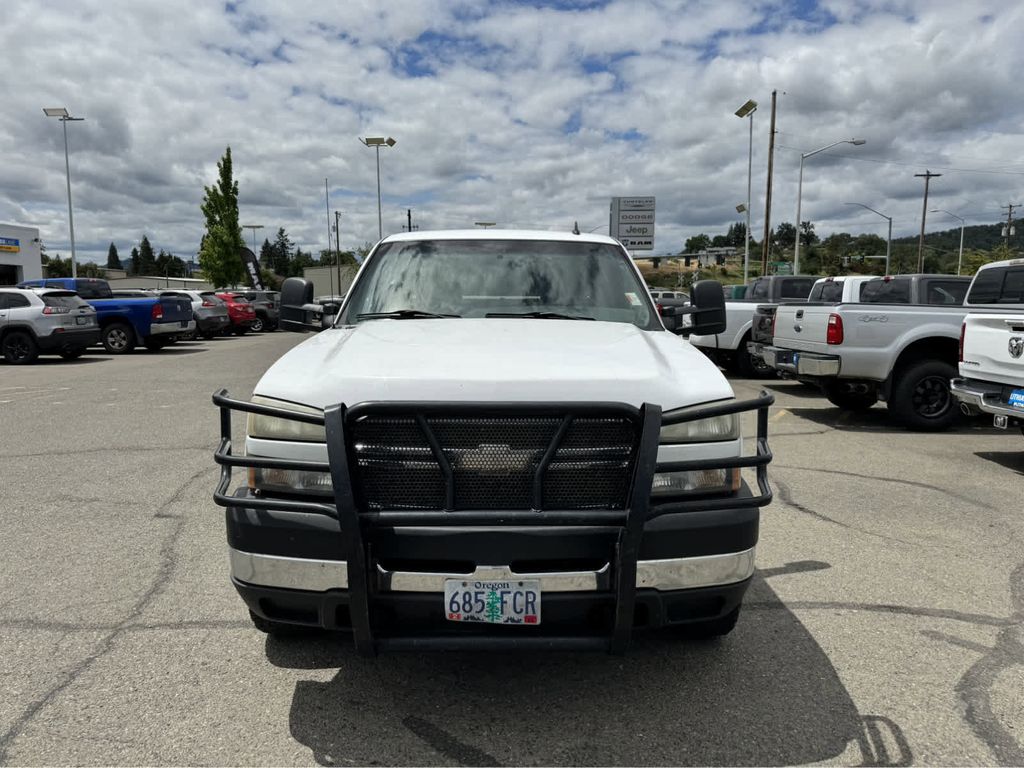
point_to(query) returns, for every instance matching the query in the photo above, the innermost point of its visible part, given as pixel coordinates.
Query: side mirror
(297, 307)
(707, 310)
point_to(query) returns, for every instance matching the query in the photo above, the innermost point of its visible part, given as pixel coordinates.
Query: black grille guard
(648, 420)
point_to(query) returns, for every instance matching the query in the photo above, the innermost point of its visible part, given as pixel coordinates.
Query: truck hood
(494, 360)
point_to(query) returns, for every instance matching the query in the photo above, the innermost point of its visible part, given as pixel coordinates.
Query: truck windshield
(481, 278)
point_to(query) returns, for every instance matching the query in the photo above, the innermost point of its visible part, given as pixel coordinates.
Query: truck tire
(842, 395)
(921, 399)
(747, 367)
(277, 628)
(19, 348)
(709, 630)
(258, 326)
(118, 338)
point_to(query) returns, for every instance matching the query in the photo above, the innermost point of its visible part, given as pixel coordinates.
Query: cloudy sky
(528, 114)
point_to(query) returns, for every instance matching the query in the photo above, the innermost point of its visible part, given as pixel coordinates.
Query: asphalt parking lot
(885, 625)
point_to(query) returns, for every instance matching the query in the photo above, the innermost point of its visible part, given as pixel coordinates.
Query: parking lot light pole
(748, 110)
(800, 190)
(61, 114)
(253, 227)
(377, 142)
(888, 242)
(960, 258)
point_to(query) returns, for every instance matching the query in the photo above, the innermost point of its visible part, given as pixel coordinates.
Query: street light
(960, 258)
(62, 114)
(748, 109)
(377, 142)
(888, 243)
(800, 189)
(253, 227)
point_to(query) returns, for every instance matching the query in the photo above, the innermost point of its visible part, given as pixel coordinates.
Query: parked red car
(241, 313)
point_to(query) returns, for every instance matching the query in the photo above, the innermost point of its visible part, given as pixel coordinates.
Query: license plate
(83, 321)
(1016, 398)
(492, 602)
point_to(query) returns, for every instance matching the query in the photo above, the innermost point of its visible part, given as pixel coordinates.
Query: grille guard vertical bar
(352, 532)
(628, 547)
(549, 455)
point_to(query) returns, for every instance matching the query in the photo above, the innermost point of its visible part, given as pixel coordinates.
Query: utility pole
(927, 176)
(337, 250)
(327, 202)
(1009, 221)
(768, 194)
(409, 227)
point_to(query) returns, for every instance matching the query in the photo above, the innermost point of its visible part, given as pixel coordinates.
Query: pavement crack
(786, 497)
(975, 687)
(168, 562)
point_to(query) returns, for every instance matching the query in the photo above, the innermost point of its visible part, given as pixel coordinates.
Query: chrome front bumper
(982, 396)
(323, 575)
(801, 363)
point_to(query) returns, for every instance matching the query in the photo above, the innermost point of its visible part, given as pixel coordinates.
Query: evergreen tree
(113, 262)
(133, 262)
(266, 255)
(219, 255)
(282, 253)
(146, 262)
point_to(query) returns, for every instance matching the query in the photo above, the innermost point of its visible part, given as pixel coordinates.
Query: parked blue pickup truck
(124, 322)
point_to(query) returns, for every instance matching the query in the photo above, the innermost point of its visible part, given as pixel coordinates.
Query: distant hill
(983, 237)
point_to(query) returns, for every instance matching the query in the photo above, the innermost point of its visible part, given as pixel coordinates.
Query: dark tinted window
(69, 300)
(829, 292)
(759, 290)
(795, 287)
(950, 292)
(483, 278)
(13, 300)
(1013, 287)
(885, 292)
(93, 289)
(987, 285)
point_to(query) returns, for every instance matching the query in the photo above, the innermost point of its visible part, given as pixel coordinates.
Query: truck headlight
(290, 481)
(710, 430)
(696, 482)
(276, 428)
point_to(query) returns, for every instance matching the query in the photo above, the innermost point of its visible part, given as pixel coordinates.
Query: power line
(910, 165)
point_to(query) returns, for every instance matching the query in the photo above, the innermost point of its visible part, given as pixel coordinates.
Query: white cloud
(505, 112)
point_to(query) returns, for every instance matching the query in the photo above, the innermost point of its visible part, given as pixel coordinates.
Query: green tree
(55, 266)
(282, 253)
(113, 261)
(146, 263)
(807, 235)
(299, 262)
(697, 243)
(784, 236)
(219, 256)
(736, 234)
(90, 269)
(266, 255)
(133, 262)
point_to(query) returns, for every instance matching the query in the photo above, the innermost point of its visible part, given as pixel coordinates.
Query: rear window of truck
(828, 292)
(885, 292)
(998, 285)
(795, 288)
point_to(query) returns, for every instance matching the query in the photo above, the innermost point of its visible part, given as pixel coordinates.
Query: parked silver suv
(45, 321)
(209, 311)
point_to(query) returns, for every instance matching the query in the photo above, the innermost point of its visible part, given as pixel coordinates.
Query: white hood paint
(494, 360)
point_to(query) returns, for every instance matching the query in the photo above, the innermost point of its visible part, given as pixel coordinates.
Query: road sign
(782, 268)
(631, 222)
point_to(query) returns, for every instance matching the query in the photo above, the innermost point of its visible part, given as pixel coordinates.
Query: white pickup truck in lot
(497, 444)
(992, 368)
(729, 348)
(905, 354)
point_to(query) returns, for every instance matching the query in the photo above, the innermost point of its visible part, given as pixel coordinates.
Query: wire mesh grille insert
(493, 462)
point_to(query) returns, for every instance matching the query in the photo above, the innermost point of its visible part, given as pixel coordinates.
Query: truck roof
(499, 234)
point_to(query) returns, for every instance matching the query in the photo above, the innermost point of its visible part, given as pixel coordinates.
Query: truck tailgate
(802, 327)
(175, 309)
(989, 344)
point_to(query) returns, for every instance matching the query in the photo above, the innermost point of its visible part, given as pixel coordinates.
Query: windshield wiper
(400, 314)
(539, 315)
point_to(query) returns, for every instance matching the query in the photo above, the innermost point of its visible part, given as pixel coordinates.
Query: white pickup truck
(904, 354)
(992, 368)
(729, 348)
(496, 445)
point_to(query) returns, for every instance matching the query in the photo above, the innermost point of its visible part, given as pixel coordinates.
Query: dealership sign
(10, 244)
(631, 222)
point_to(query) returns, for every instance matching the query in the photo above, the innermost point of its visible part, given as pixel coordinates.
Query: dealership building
(20, 255)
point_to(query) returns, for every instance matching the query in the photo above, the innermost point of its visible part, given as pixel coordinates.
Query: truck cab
(496, 444)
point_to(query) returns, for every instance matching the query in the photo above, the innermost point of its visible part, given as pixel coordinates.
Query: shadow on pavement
(1010, 459)
(765, 695)
(792, 388)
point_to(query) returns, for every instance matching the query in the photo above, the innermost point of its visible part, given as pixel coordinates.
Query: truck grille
(475, 462)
